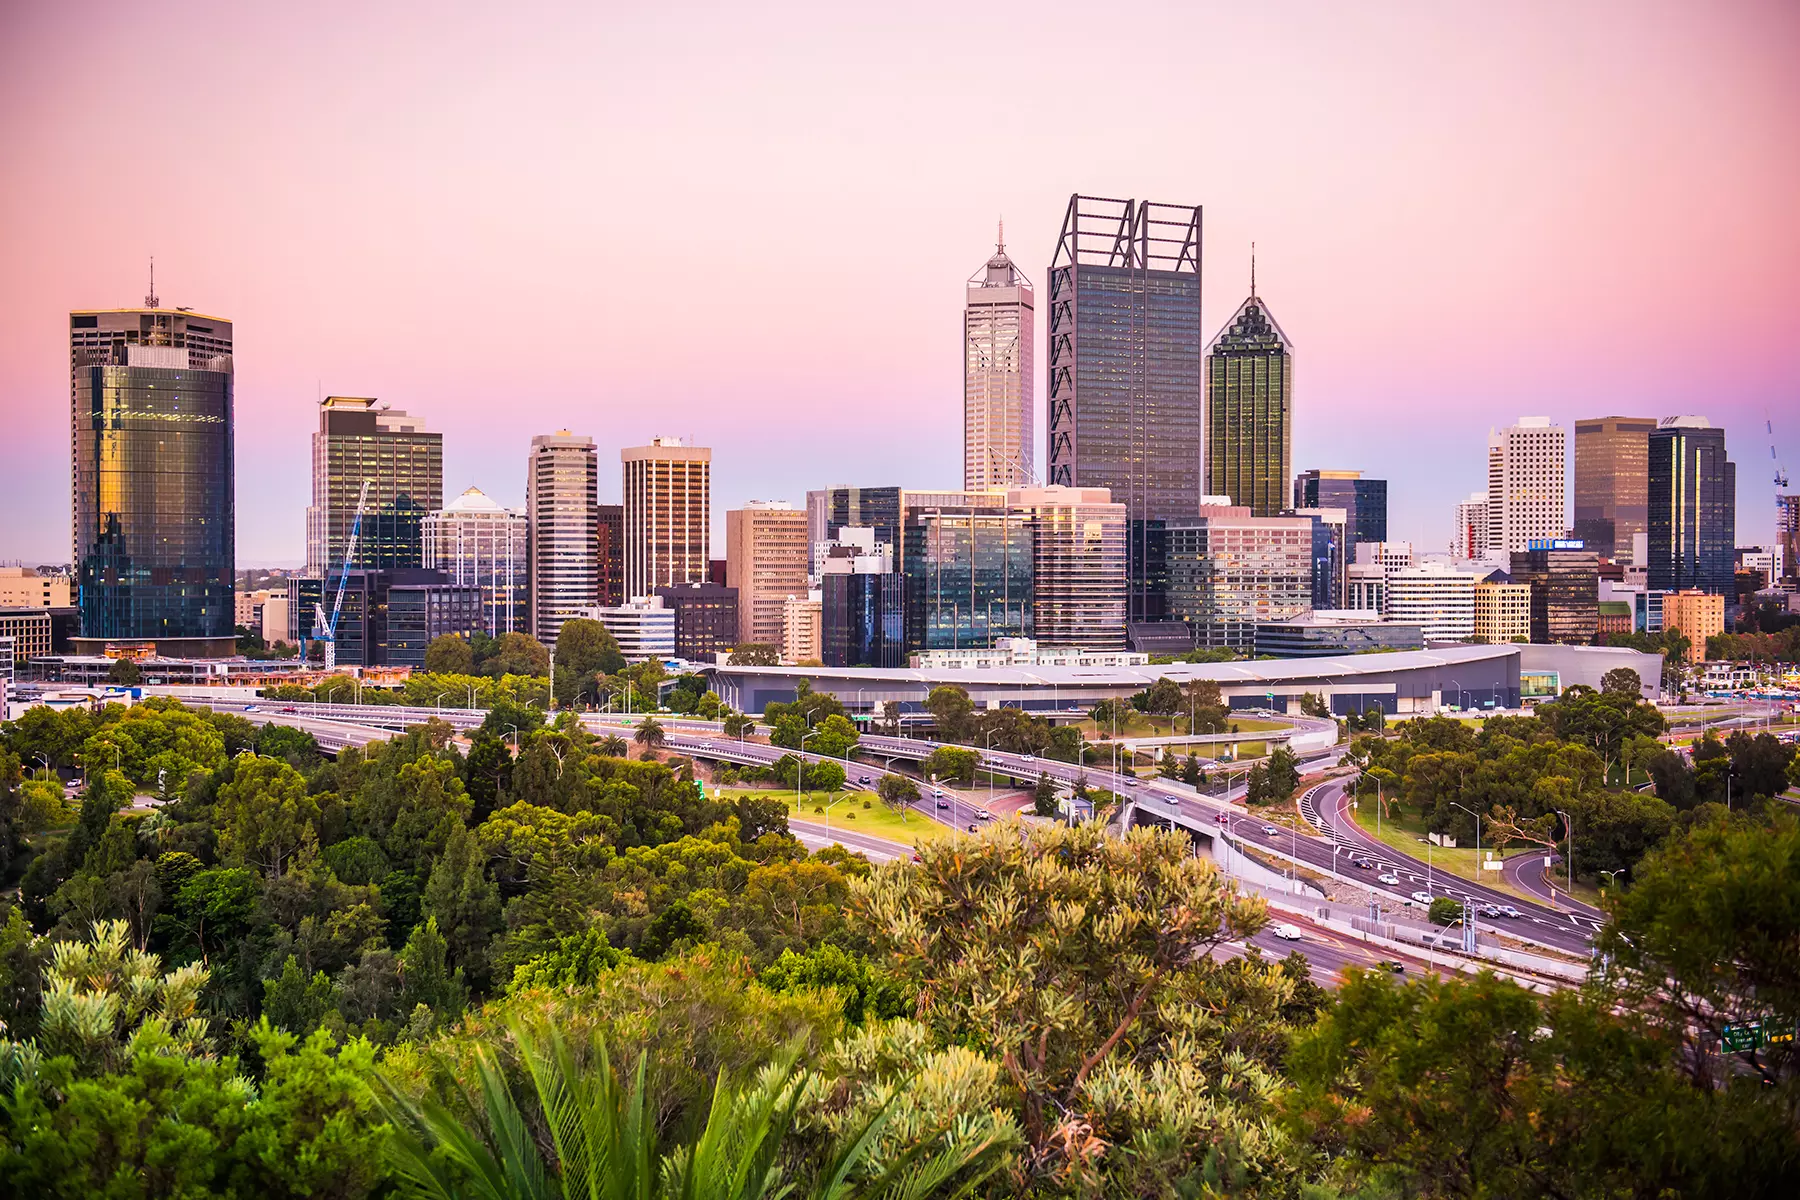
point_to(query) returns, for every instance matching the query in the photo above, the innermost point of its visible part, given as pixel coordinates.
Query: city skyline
(1514, 274)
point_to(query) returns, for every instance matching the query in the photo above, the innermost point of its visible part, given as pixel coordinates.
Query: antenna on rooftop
(1253, 268)
(150, 300)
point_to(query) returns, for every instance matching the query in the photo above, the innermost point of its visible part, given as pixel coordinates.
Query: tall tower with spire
(1250, 409)
(998, 326)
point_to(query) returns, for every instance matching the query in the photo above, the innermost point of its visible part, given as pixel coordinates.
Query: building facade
(1250, 411)
(1365, 587)
(861, 609)
(1564, 578)
(609, 552)
(967, 559)
(1693, 507)
(706, 618)
(403, 464)
(1469, 539)
(22, 587)
(1331, 540)
(1502, 612)
(561, 480)
(643, 626)
(1126, 363)
(668, 514)
(1364, 502)
(1787, 538)
(1440, 600)
(388, 617)
(1527, 485)
(1230, 571)
(1699, 615)
(154, 478)
(29, 631)
(1078, 566)
(999, 325)
(1317, 636)
(1612, 480)
(767, 559)
(802, 632)
(477, 543)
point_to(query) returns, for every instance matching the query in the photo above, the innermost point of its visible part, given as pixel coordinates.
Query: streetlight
(800, 771)
(440, 703)
(1477, 816)
(1569, 824)
(515, 733)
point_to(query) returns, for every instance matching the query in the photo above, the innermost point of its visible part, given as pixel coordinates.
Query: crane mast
(324, 631)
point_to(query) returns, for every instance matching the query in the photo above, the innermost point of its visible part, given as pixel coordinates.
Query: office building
(1021, 652)
(561, 479)
(609, 553)
(22, 587)
(832, 509)
(706, 618)
(388, 617)
(1470, 537)
(1502, 612)
(1787, 538)
(1365, 587)
(1331, 539)
(1697, 614)
(1527, 488)
(477, 543)
(861, 605)
(1364, 502)
(802, 633)
(1321, 634)
(643, 626)
(29, 631)
(1230, 571)
(1612, 479)
(1693, 507)
(668, 514)
(999, 325)
(358, 441)
(1564, 578)
(767, 559)
(1126, 362)
(1437, 598)
(153, 477)
(1078, 566)
(967, 558)
(1250, 410)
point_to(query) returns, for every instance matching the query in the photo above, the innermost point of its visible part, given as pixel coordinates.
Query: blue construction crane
(323, 630)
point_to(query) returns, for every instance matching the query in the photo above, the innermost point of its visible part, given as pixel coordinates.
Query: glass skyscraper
(1364, 502)
(1612, 478)
(1249, 411)
(1692, 507)
(403, 463)
(967, 559)
(154, 543)
(1125, 360)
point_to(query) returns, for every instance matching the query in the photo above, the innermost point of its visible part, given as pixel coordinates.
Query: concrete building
(1439, 599)
(1612, 479)
(274, 622)
(1320, 634)
(1022, 652)
(22, 587)
(1078, 566)
(388, 617)
(360, 440)
(1697, 614)
(668, 514)
(561, 480)
(999, 327)
(1230, 571)
(767, 559)
(609, 553)
(1469, 538)
(29, 631)
(1693, 507)
(802, 628)
(1502, 612)
(1564, 577)
(1364, 502)
(1365, 587)
(154, 478)
(477, 543)
(248, 606)
(643, 626)
(706, 618)
(1250, 410)
(1527, 485)
(1386, 558)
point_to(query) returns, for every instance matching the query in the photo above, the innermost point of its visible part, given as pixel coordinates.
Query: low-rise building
(1439, 599)
(1502, 612)
(644, 627)
(1022, 652)
(1325, 632)
(29, 631)
(23, 587)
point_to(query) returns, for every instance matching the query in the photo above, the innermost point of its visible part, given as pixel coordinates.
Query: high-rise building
(1230, 571)
(862, 603)
(1437, 598)
(1330, 561)
(1250, 410)
(1502, 612)
(1126, 391)
(1697, 614)
(1787, 537)
(668, 514)
(802, 622)
(1470, 538)
(1527, 485)
(1364, 502)
(1693, 507)
(403, 463)
(154, 480)
(1385, 557)
(388, 617)
(477, 543)
(609, 552)
(1612, 480)
(967, 559)
(767, 559)
(1564, 578)
(706, 618)
(561, 478)
(1078, 566)
(998, 332)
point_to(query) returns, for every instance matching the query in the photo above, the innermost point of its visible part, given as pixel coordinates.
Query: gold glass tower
(1249, 410)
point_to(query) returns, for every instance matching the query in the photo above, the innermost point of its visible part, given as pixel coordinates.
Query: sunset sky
(751, 223)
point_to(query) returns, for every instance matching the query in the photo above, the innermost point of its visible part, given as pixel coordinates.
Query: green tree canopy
(449, 654)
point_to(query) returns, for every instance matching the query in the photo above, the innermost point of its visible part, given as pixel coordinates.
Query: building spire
(1253, 270)
(1000, 244)
(150, 299)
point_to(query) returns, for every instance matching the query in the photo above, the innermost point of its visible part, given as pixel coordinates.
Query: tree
(465, 903)
(649, 734)
(1043, 797)
(833, 737)
(517, 654)
(264, 815)
(1444, 911)
(125, 672)
(1162, 697)
(1283, 775)
(952, 711)
(737, 725)
(1622, 681)
(755, 654)
(449, 654)
(897, 792)
(952, 764)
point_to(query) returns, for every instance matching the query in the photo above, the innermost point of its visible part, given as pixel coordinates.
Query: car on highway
(1392, 964)
(1027, 758)
(1507, 910)
(1176, 800)
(1287, 933)
(942, 803)
(1362, 864)
(1270, 831)
(1421, 897)
(1389, 879)
(290, 709)
(863, 781)
(250, 708)
(983, 814)
(1131, 781)
(1489, 910)
(937, 793)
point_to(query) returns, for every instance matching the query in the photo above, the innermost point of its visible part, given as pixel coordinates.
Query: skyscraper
(1470, 537)
(767, 559)
(1787, 536)
(1564, 578)
(1612, 481)
(561, 478)
(999, 324)
(610, 554)
(403, 463)
(1249, 410)
(1364, 502)
(1527, 485)
(1230, 570)
(477, 543)
(1078, 566)
(1125, 359)
(153, 531)
(1693, 507)
(968, 564)
(668, 514)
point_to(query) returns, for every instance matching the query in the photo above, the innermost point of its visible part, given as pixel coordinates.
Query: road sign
(1738, 1038)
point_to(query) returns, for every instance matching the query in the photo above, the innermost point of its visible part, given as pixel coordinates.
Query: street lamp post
(1569, 826)
(439, 703)
(1477, 816)
(799, 773)
(515, 733)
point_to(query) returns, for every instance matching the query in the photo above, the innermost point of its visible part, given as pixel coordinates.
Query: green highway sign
(1752, 1035)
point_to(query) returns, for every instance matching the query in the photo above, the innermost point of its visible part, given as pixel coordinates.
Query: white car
(1421, 897)
(1287, 933)
(1027, 758)
(984, 814)
(1390, 880)
(1270, 831)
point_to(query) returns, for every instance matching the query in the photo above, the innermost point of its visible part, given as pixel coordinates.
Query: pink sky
(751, 223)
